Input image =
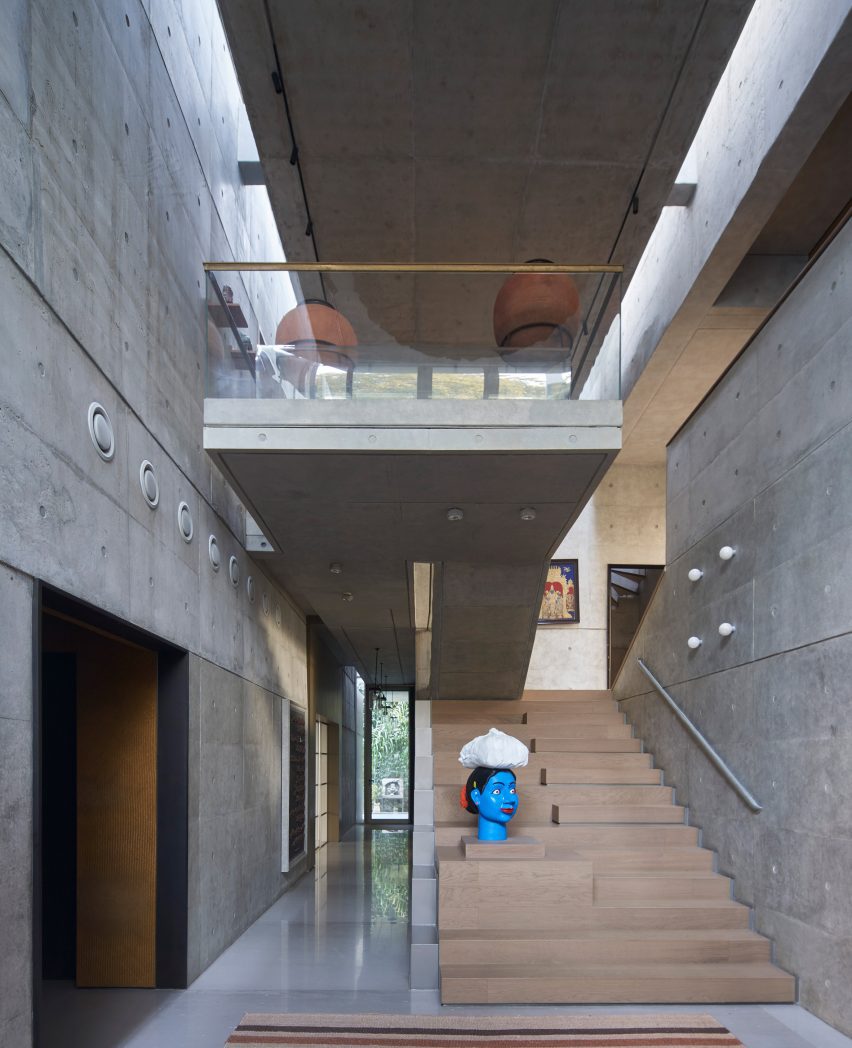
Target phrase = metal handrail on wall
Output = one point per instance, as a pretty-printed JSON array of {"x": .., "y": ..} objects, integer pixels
[{"x": 704, "y": 745}]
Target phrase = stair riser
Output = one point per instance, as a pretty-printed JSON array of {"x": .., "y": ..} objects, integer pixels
[
  {"x": 552, "y": 722},
  {"x": 447, "y": 770},
  {"x": 590, "y": 951},
  {"x": 708, "y": 989},
  {"x": 580, "y": 836},
  {"x": 453, "y": 737},
  {"x": 612, "y": 776},
  {"x": 596, "y": 744},
  {"x": 573, "y": 794},
  {"x": 564, "y": 814},
  {"x": 508, "y": 712},
  {"x": 643, "y": 888}
]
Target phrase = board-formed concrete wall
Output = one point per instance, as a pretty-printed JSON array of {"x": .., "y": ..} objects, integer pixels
[
  {"x": 119, "y": 170},
  {"x": 764, "y": 466},
  {"x": 624, "y": 523}
]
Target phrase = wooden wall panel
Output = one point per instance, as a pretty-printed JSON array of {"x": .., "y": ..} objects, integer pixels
[{"x": 116, "y": 804}]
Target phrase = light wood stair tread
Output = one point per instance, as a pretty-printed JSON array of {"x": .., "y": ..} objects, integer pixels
[{"x": 602, "y": 934}]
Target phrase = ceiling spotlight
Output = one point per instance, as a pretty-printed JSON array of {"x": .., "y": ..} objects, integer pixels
[
  {"x": 527, "y": 513},
  {"x": 455, "y": 513},
  {"x": 347, "y": 596},
  {"x": 335, "y": 568}
]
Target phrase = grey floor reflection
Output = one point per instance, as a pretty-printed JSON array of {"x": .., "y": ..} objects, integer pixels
[{"x": 338, "y": 941}]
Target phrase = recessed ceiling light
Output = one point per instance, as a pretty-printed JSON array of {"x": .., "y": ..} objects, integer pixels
[
  {"x": 527, "y": 513},
  {"x": 335, "y": 568},
  {"x": 347, "y": 596},
  {"x": 455, "y": 513}
]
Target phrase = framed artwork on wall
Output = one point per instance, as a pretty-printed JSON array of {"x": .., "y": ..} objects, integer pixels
[
  {"x": 560, "y": 603},
  {"x": 294, "y": 779}
]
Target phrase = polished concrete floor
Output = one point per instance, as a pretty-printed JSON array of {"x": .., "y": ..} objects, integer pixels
[{"x": 337, "y": 942}]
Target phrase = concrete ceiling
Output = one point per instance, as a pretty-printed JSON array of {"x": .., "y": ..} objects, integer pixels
[
  {"x": 376, "y": 512},
  {"x": 488, "y": 131}
]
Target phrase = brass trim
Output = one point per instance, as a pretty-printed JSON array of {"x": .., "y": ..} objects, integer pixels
[{"x": 404, "y": 267}]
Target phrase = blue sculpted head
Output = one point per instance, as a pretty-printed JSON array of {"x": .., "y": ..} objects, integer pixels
[{"x": 492, "y": 795}]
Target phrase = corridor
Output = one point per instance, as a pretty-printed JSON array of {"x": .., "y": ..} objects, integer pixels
[{"x": 337, "y": 942}]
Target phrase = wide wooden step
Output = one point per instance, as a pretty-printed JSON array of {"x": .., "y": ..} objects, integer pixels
[
  {"x": 454, "y": 710},
  {"x": 580, "y": 835},
  {"x": 613, "y": 776},
  {"x": 623, "y": 983},
  {"x": 602, "y": 946},
  {"x": 631, "y": 885},
  {"x": 447, "y": 770},
  {"x": 646, "y": 860},
  {"x": 454, "y": 736},
  {"x": 574, "y": 743},
  {"x": 552, "y": 721},
  {"x": 537, "y": 802},
  {"x": 564, "y": 813},
  {"x": 578, "y": 695}
]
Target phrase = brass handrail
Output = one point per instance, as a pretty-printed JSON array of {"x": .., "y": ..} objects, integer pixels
[
  {"x": 406, "y": 267},
  {"x": 708, "y": 750}
]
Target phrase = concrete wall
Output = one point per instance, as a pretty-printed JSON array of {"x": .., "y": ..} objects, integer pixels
[
  {"x": 624, "y": 523},
  {"x": 764, "y": 466},
  {"x": 120, "y": 126}
]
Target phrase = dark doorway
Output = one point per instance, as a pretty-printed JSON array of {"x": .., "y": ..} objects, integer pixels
[
  {"x": 630, "y": 590},
  {"x": 111, "y": 778}
]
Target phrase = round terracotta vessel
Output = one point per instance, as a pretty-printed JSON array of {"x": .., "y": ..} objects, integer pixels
[
  {"x": 315, "y": 323},
  {"x": 534, "y": 309}
]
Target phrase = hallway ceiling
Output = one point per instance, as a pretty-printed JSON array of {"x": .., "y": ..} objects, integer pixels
[{"x": 479, "y": 131}]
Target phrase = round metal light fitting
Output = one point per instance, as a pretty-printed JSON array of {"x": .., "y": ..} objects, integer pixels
[
  {"x": 234, "y": 572},
  {"x": 213, "y": 552},
  {"x": 695, "y": 574},
  {"x": 348, "y": 597},
  {"x": 527, "y": 513},
  {"x": 100, "y": 430},
  {"x": 335, "y": 568},
  {"x": 250, "y": 588},
  {"x": 726, "y": 552},
  {"x": 726, "y": 629},
  {"x": 148, "y": 483},
  {"x": 455, "y": 513},
  {"x": 693, "y": 643},
  {"x": 185, "y": 526}
]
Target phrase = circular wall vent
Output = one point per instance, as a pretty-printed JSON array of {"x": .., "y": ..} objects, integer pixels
[
  {"x": 213, "y": 551},
  {"x": 149, "y": 485},
  {"x": 185, "y": 522},
  {"x": 250, "y": 588},
  {"x": 234, "y": 572},
  {"x": 100, "y": 430}
]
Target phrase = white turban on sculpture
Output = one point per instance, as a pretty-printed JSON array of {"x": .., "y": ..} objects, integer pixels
[{"x": 494, "y": 750}]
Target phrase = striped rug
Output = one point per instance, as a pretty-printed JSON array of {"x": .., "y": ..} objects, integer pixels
[{"x": 486, "y": 1031}]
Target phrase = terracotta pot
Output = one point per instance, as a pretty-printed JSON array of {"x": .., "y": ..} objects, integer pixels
[
  {"x": 312, "y": 324},
  {"x": 537, "y": 309}
]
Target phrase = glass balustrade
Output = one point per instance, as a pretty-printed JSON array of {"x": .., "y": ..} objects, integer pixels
[{"x": 531, "y": 332}]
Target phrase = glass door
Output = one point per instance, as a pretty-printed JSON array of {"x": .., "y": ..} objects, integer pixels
[{"x": 388, "y": 756}]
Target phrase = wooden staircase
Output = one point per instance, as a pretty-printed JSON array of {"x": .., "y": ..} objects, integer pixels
[{"x": 625, "y": 906}]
